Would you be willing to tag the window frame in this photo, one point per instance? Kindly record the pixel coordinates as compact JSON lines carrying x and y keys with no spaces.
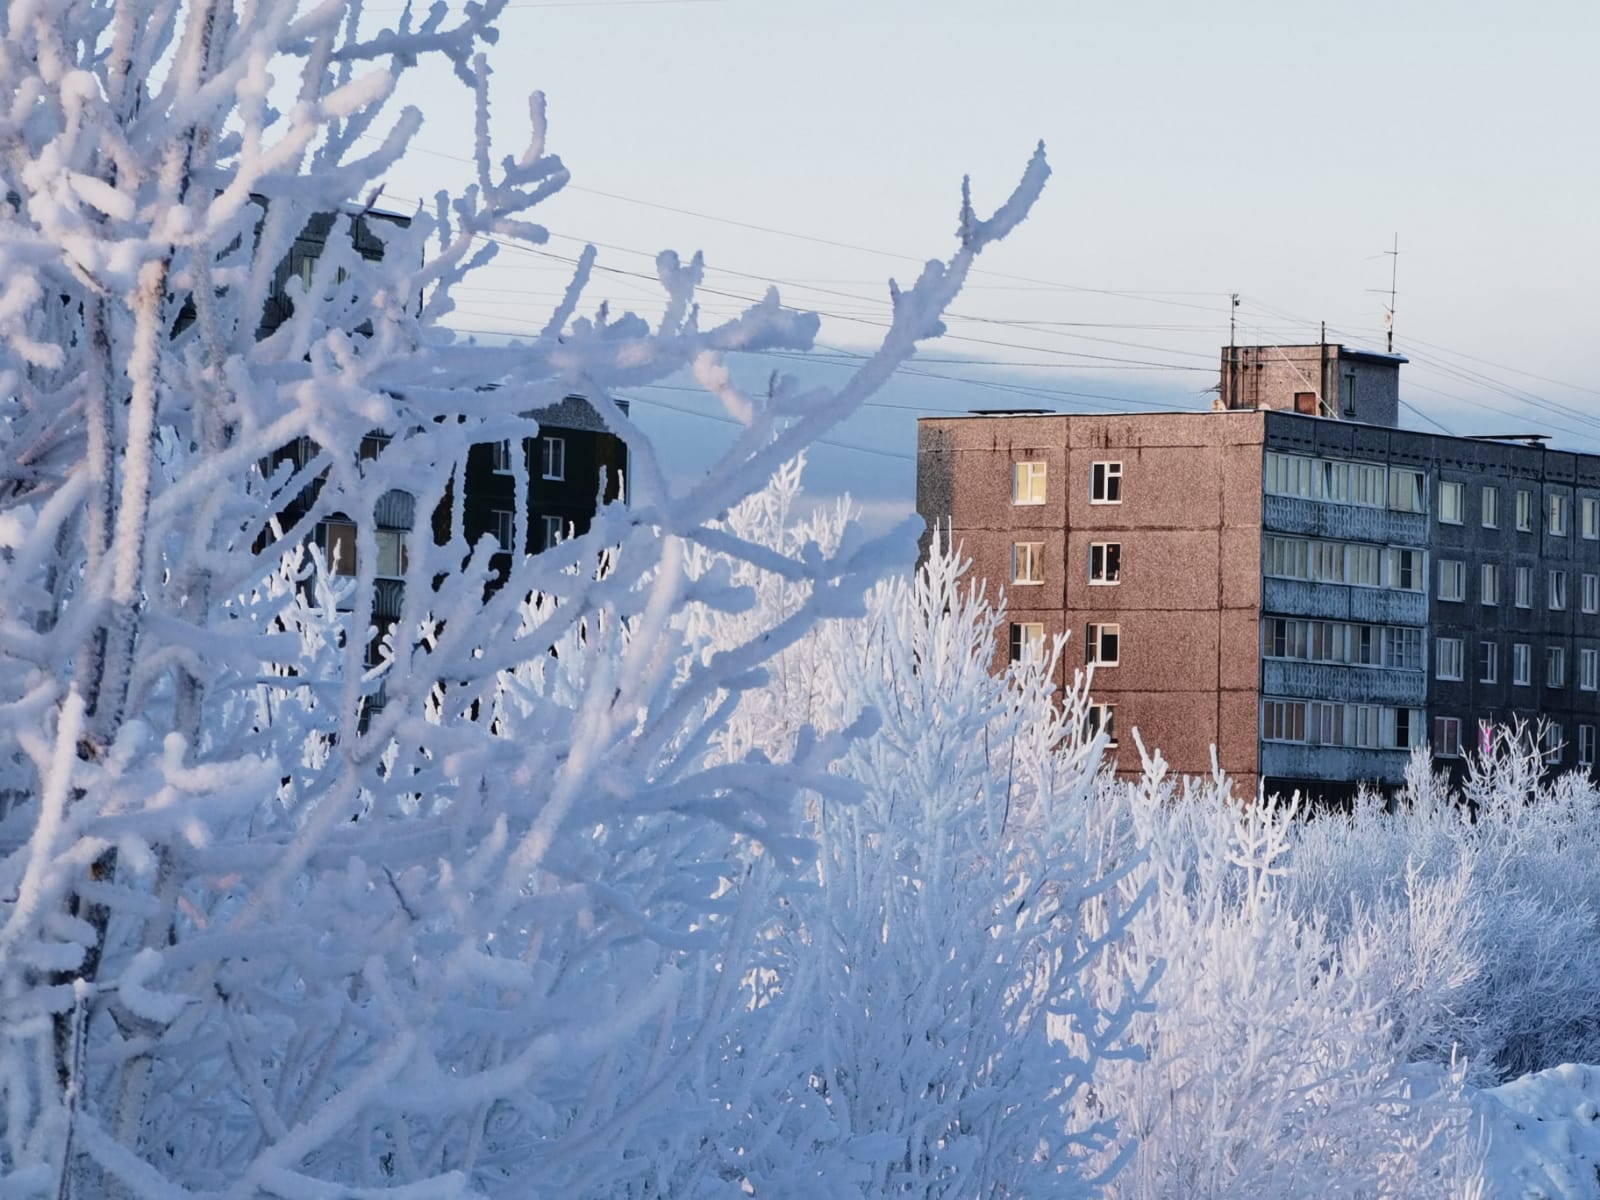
{"x":553,"y":458}
{"x":1026,"y":644}
{"x":1098,"y":717}
{"x":393,"y":556}
{"x":1522,"y":591}
{"x":500,"y":460}
{"x":1488,"y":662}
{"x":1452,"y":500}
{"x":1524,"y":515}
{"x":1556,"y":515}
{"x":1588,"y":669}
{"x":339,"y":550}
{"x":1030,"y":487}
{"x":1589,"y":518}
{"x":1555,"y":666}
{"x":1105,"y":478}
{"x":1586,"y":738}
{"x":1489,"y":584}
{"x":1110,"y":568}
{"x":1453,"y":570}
{"x":1448,"y":653}
{"x":1095,"y":643}
{"x":1521,"y":664}
{"x":1447,"y":737}
{"x":1556,"y":596}
{"x":503,"y":527}
{"x":1489,"y":507}
{"x":1033,"y":554}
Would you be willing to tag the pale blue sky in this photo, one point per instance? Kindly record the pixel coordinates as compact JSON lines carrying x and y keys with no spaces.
{"x":1271,"y":149}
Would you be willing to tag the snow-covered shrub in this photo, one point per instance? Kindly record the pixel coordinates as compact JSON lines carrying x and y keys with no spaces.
{"x":465,"y":916}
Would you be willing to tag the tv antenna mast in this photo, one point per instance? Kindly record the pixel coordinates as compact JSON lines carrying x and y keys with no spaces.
{"x":1394,"y":277}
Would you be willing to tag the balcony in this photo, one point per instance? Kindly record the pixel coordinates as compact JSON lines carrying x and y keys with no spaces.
{"x":1343,"y":522}
{"x":1343,"y":763}
{"x":1354,"y":685}
{"x":1338,"y":602}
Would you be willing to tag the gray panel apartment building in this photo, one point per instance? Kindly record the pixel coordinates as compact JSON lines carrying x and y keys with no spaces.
{"x":1290,"y":578}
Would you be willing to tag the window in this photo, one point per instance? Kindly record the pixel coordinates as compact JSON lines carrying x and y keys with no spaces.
{"x":1406,"y":490}
{"x":1403,"y":727}
{"x":1490,"y":498}
{"x":1591,"y":593}
{"x":1447,"y":737}
{"x":1524,"y":510}
{"x":1524,"y":587}
{"x":1105,"y":645}
{"x":372,"y":445}
{"x":1452,"y":579}
{"x":1283,"y":720}
{"x":1402,"y":649}
{"x":1589,"y":522}
{"x":1488,"y":662}
{"x":337,"y":541}
{"x":501,"y":521}
{"x":1586,"y":745}
{"x":555,"y":530}
{"x":554,"y":452}
{"x":1405,"y":569}
{"x":1489,"y":583}
{"x":1447,"y":658}
{"x":1102,"y":718}
{"x":1550,"y":743}
{"x":1558,"y":591}
{"x":1522,"y":664}
{"x":1027,"y":483}
{"x":1555,"y":666}
{"x":1450,"y":502}
{"x":1367,"y":725}
{"x":1027,"y":641}
{"x":501,"y":452}
{"x":1588,"y":669}
{"x":1282,"y":638}
{"x":1027,"y":562}
{"x":1105,"y":483}
{"x":1324,"y":723}
{"x":1365,"y":565}
{"x":391,"y":553}
{"x":1105,"y":562}
{"x":1558,"y":515}
{"x":1366,"y":485}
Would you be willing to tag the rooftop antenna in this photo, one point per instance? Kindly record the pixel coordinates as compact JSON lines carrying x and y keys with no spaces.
{"x":1394,"y":276}
{"x":1233,"y":316}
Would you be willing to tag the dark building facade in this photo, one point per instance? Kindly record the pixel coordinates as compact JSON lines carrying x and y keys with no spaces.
{"x":1311,"y":595}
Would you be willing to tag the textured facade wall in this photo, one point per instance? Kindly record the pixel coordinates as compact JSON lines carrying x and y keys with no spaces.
{"x":1187,"y":527}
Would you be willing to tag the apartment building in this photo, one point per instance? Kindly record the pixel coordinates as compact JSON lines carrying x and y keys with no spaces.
{"x":1311,"y":593}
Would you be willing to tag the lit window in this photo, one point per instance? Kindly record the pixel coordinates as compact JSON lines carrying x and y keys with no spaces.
{"x":1524,"y":587}
{"x":1452,"y":579}
{"x":391,"y":553}
{"x":1028,"y":483}
{"x":1406,"y":490}
{"x":1447,"y":658}
{"x":1105,"y":483}
{"x":1558,"y":515}
{"x":1450,"y":500}
{"x":1101,"y":718}
{"x":1558,"y":591}
{"x":501,"y":523}
{"x":337,"y":540}
{"x":1105,"y":562}
{"x":554,"y":454}
{"x":1027,"y":562}
{"x":1522,"y":664}
{"x":1589,"y":669}
{"x":1447,"y":737}
{"x":1555,"y":666}
{"x":1027,"y":641}
{"x":1489,"y":583}
{"x":1488,"y":662}
{"x":1524,"y":510}
{"x":1491,"y":508}
{"x":1105,"y":645}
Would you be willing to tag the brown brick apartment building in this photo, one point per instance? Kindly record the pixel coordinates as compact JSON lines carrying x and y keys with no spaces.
{"x":1290,"y":578}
